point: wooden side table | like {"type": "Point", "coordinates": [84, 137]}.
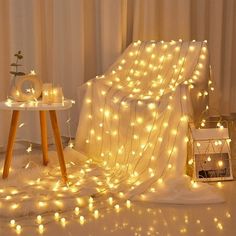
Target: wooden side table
{"type": "Point", "coordinates": [16, 107]}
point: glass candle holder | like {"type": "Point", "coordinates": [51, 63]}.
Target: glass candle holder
{"type": "Point", "coordinates": [57, 95]}
{"type": "Point", "coordinates": [47, 93]}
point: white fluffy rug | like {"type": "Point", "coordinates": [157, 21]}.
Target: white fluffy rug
{"type": "Point", "coordinates": [32, 188]}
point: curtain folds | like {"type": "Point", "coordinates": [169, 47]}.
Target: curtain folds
{"type": "Point", "coordinates": [4, 64]}
{"type": "Point", "coordinates": [69, 42]}
{"type": "Point", "coordinates": [213, 20]}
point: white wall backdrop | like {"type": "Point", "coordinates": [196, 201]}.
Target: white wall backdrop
{"type": "Point", "coordinates": [69, 42]}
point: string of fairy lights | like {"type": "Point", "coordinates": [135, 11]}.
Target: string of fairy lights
{"type": "Point", "coordinates": [142, 77]}
{"type": "Point", "coordinates": [120, 102]}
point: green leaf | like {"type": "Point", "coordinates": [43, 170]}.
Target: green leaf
{"type": "Point", "coordinates": [17, 73]}
{"type": "Point", "coordinates": [20, 73]}
{"type": "Point", "coordinates": [19, 56]}
{"type": "Point", "coordinates": [13, 73]}
{"type": "Point", "coordinates": [15, 64]}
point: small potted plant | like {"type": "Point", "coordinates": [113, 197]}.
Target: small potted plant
{"type": "Point", "coordinates": [14, 94]}
{"type": "Point", "coordinates": [24, 87]}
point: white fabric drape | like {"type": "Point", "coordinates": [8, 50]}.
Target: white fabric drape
{"type": "Point", "coordinates": [69, 42]}
{"type": "Point", "coordinates": [134, 121]}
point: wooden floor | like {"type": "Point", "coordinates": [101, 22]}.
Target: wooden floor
{"type": "Point", "coordinates": [149, 219]}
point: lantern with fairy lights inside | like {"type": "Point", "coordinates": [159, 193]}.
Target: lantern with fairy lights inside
{"type": "Point", "coordinates": [209, 156]}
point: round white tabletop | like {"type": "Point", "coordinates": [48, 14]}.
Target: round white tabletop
{"type": "Point", "coordinates": [34, 105]}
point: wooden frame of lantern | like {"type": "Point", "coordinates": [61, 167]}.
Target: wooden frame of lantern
{"type": "Point", "coordinates": [209, 156]}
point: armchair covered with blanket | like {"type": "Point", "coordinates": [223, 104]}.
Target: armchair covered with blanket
{"type": "Point", "coordinates": [134, 120]}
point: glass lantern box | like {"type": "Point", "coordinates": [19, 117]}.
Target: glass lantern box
{"type": "Point", "coordinates": [209, 157]}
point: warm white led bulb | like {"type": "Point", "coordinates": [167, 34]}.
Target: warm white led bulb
{"type": "Point", "coordinates": [56, 215]}
{"type": "Point", "coordinates": [81, 219]}
{"type": "Point", "coordinates": [186, 139]}
{"type": "Point", "coordinates": [220, 163]}
{"type": "Point", "coordinates": [169, 166]}
{"type": "Point", "coordinates": [12, 222]}
{"type": "Point", "coordinates": [41, 228]}
{"type": "Point", "coordinates": [190, 162]}
{"type": "Point", "coordinates": [76, 210]}
{"type": "Point", "coordinates": [219, 226]}
{"type": "Point", "coordinates": [39, 219]}
{"type": "Point", "coordinates": [194, 184]}
{"type": "Point", "coordinates": [63, 221]}
{"type": "Point", "coordinates": [117, 208]}
{"type": "Point", "coordinates": [96, 214]}
{"type": "Point", "coordinates": [90, 200]}
{"type": "Point", "coordinates": [110, 200]}
{"type": "Point", "coordinates": [18, 228]}
{"type": "Point", "coordinates": [128, 203]}
{"type": "Point", "coordinates": [90, 206]}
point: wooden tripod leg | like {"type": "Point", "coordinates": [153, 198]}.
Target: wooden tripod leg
{"type": "Point", "coordinates": [44, 139]}
{"type": "Point", "coordinates": [58, 143]}
{"type": "Point", "coordinates": [11, 138]}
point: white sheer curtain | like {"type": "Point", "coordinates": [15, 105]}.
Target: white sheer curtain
{"type": "Point", "coordinates": [4, 64]}
{"type": "Point", "coordinates": [69, 42]}
{"type": "Point", "coordinates": [213, 20]}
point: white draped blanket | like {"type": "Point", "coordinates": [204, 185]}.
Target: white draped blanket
{"type": "Point", "coordinates": [134, 119]}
